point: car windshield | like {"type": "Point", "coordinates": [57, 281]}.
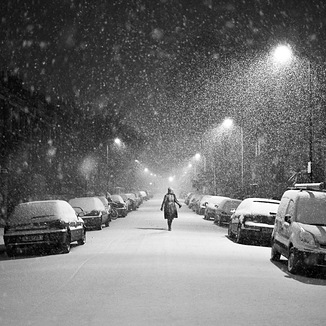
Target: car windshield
{"type": "Point", "coordinates": [311, 209]}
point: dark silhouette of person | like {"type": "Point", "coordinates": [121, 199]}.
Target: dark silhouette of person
{"type": "Point", "coordinates": [169, 204]}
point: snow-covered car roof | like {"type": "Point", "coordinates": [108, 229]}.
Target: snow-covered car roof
{"type": "Point", "coordinates": [216, 199]}
{"type": "Point", "coordinates": [258, 206]}
{"type": "Point", "coordinates": [45, 210]}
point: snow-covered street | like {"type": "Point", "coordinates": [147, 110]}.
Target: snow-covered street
{"type": "Point", "coordinates": [135, 272]}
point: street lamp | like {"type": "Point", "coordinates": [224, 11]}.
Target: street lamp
{"type": "Point", "coordinates": [284, 54]}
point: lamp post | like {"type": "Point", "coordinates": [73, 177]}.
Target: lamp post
{"type": "Point", "coordinates": [311, 131]}
{"type": "Point", "coordinates": [228, 123]}
{"type": "Point", "coordinates": [283, 54]}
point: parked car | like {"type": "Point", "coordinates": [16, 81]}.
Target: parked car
{"type": "Point", "coordinates": [92, 210]}
{"type": "Point", "coordinates": [108, 207]}
{"type": "Point", "coordinates": [300, 228]}
{"type": "Point", "coordinates": [253, 220]}
{"type": "Point", "coordinates": [120, 205]}
{"type": "Point", "coordinates": [128, 202]}
{"type": "Point", "coordinates": [196, 202]}
{"type": "Point", "coordinates": [43, 225]}
{"type": "Point", "coordinates": [200, 205]}
{"type": "Point", "coordinates": [211, 206]}
{"type": "Point", "coordinates": [193, 200]}
{"type": "Point", "coordinates": [134, 201]}
{"type": "Point", "coordinates": [143, 195]}
{"type": "Point", "coordinates": [149, 194]}
{"type": "Point", "coordinates": [224, 211]}
{"type": "Point", "coordinates": [139, 200]}
{"type": "Point", "coordinates": [187, 197]}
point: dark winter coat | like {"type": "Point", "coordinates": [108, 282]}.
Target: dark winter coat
{"type": "Point", "coordinates": [169, 205]}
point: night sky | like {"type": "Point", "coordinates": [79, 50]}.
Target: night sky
{"type": "Point", "coordinates": [152, 61]}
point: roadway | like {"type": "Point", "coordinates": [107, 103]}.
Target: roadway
{"type": "Point", "coordinates": [135, 272]}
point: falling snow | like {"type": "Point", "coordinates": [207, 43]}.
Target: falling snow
{"type": "Point", "coordinates": [163, 75]}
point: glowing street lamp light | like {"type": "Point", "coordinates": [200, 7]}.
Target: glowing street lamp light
{"type": "Point", "coordinates": [282, 54]}
{"type": "Point", "coordinates": [227, 123]}
{"type": "Point", "coordinates": [197, 157]}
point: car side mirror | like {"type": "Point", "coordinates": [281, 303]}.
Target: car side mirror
{"type": "Point", "coordinates": [287, 218]}
{"type": "Point", "coordinates": [81, 214]}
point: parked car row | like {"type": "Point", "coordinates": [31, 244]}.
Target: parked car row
{"type": "Point", "coordinates": [218, 208]}
{"type": "Point", "coordinates": [54, 224]}
{"type": "Point", "coordinates": [294, 226]}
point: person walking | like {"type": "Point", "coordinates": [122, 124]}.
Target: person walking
{"type": "Point", "coordinates": [169, 204]}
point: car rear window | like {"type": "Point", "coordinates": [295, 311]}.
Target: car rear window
{"type": "Point", "coordinates": [87, 203]}
{"type": "Point", "coordinates": [265, 219]}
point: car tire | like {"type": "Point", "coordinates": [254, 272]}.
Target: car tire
{"type": "Point", "coordinates": [275, 255]}
{"type": "Point", "coordinates": [239, 237]}
{"type": "Point", "coordinates": [66, 246]}
{"type": "Point", "coordinates": [82, 241]}
{"type": "Point", "coordinates": [294, 262]}
{"type": "Point", "coordinates": [114, 214]}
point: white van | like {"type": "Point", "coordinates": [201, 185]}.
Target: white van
{"type": "Point", "coordinates": [300, 227]}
